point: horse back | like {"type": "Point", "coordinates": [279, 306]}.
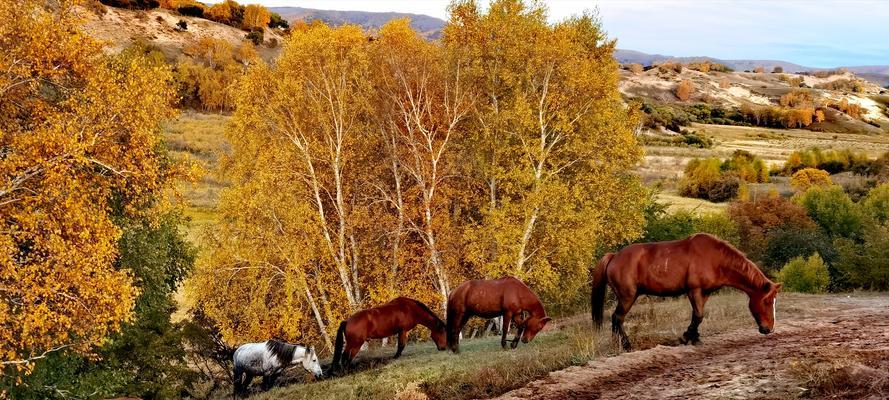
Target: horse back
{"type": "Point", "coordinates": [660, 268]}
{"type": "Point", "coordinates": [490, 298]}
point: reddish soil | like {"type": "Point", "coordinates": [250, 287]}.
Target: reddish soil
{"type": "Point", "coordinates": [840, 351]}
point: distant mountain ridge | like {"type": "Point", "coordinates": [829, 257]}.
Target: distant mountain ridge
{"type": "Point", "coordinates": [429, 27]}
{"type": "Point", "coordinates": [632, 56]}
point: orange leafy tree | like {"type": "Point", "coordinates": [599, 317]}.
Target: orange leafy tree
{"type": "Point", "coordinates": [79, 140]}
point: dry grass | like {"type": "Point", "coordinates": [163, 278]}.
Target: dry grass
{"type": "Point", "coordinates": [199, 138]}
{"type": "Point", "coordinates": [482, 369]}
{"type": "Point", "coordinates": [698, 206]}
{"type": "Point", "coordinates": [664, 165]}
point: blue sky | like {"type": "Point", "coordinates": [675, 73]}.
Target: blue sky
{"type": "Point", "coordinates": [814, 33]}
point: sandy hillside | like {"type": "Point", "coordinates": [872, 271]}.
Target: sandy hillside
{"type": "Point", "coordinates": [737, 89]}
{"type": "Point", "coordinates": [121, 27]}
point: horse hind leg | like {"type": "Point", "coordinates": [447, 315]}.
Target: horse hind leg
{"type": "Point", "coordinates": [624, 303]}
{"type": "Point", "coordinates": [238, 376]}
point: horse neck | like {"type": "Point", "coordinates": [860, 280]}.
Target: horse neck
{"type": "Point", "coordinates": [427, 319]}
{"type": "Point", "coordinates": [744, 276]}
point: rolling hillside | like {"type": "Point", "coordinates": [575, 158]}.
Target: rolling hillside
{"type": "Point", "coordinates": [430, 27]}
{"type": "Point", "coordinates": [878, 74]}
{"type": "Point", "coordinates": [158, 27]}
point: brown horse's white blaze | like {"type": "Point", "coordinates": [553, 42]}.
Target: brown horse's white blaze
{"type": "Point", "coordinates": [696, 266]}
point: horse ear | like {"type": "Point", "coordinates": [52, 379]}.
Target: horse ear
{"type": "Point", "coordinates": [778, 287]}
{"type": "Point", "coordinates": [544, 320]}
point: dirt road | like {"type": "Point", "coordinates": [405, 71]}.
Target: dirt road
{"type": "Point", "coordinates": [837, 351]}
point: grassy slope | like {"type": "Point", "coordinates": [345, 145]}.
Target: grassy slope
{"type": "Point", "coordinates": [482, 369]}
{"type": "Point", "coordinates": [199, 138]}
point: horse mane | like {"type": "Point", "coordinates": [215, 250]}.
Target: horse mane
{"type": "Point", "coordinates": [435, 317]}
{"type": "Point", "coordinates": [283, 351]}
{"type": "Point", "coordinates": [738, 261]}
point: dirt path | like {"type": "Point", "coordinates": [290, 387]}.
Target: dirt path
{"type": "Point", "coordinates": [841, 351]}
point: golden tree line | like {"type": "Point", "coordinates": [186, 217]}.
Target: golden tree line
{"type": "Point", "coordinates": [79, 146]}
{"type": "Point", "coordinates": [369, 167]}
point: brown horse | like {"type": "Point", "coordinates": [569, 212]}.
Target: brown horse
{"type": "Point", "coordinates": [508, 297]}
{"type": "Point", "coordinates": [696, 266]}
{"type": "Point", "coordinates": [396, 317]}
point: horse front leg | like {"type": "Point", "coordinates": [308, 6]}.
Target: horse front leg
{"type": "Point", "coordinates": [269, 380]}
{"type": "Point", "coordinates": [520, 330]}
{"type": "Point", "coordinates": [507, 320]}
{"type": "Point", "coordinates": [697, 300]}
{"type": "Point", "coordinates": [402, 341]}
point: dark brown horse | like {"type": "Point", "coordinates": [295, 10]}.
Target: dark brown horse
{"type": "Point", "coordinates": [696, 266]}
{"type": "Point", "coordinates": [507, 297]}
{"type": "Point", "coordinates": [396, 317]}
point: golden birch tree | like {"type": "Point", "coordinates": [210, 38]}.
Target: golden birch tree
{"type": "Point", "coordinates": [299, 141]}
{"type": "Point", "coordinates": [424, 103]}
{"type": "Point", "coordinates": [553, 142]}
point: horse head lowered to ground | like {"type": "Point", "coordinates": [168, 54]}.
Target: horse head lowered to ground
{"type": "Point", "coordinates": [268, 359]}
{"type": "Point", "coordinates": [507, 297]}
{"type": "Point", "coordinates": [396, 317]}
{"type": "Point", "coordinates": [696, 266]}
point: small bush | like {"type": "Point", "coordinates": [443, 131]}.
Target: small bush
{"type": "Point", "coordinates": [695, 139]}
{"type": "Point", "coordinates": [276, 21]}
{"type": "Point", "coordinates": [684, 90]}
{"type": "Point", "coordinates": [182, 25]}
{"type": "Point", "coordinates": [805, 178]}
{"type": "Point", "coordinates": [805, 275]}
{"type": "Point", "coordinates": [256, 36]}
{"type": "Point", "coordinates": [760, 218]}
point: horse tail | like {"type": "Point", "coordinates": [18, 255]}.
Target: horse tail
{"type": "Point", "coordinates": [599, 287]}
{"type": "Point", "coordinates": [338, 345]}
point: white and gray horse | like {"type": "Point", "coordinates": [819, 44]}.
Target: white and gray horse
{"type": "Point", "coordinates": [268, 359]}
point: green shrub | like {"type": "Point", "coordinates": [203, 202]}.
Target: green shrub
{"type": "Point", "coordinates": [256, 36]}
{"type": "Point", "coordinates": [865, 264]}
{"type": "Point", "coordinates": [276, 21]}
{"type": "Point", "coordinates": [805, 275]}
{"type": "Point", "coordinates": [833, 210]}
{"type": "Point", "coordinates": [789, 242]}
{"type": "Point", "coordinates": [876, 204]}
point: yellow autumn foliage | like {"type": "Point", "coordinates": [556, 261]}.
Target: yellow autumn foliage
{"type": "Point", "coordinates": [79, 141]}
{"type": "Point", "coordinates": [365, 169]}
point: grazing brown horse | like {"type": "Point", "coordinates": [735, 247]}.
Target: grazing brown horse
{"type": "Point", "coordinates": [396, 317]}
{"type": "Point", "coordinates": [696, 266]}
{"type": "Point", "coordinates": [508, 297]}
